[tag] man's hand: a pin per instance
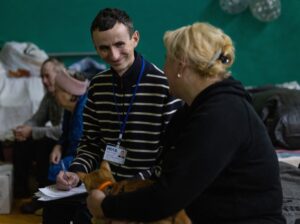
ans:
(23, 132)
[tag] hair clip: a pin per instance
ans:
(224, 59)
(215, 57)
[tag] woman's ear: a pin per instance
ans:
(181, 66)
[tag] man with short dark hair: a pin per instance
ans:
(128, 106)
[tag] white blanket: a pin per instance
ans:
(19, 97)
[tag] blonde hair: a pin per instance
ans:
(207, 49)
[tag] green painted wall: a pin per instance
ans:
(266, 52)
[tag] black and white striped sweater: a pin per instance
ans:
(150, 113)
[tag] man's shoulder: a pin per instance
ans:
(101, 76)
(48, 98)
(155, 74)
(107, 72)
(151, 68)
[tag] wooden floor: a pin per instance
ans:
(15, 217)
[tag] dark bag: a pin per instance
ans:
(279, 108)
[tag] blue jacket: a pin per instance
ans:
(72, 131)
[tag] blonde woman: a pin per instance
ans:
(218, 164)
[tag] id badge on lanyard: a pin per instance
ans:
(116, 153)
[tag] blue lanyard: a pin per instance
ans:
(122, 129)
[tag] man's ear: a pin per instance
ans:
(135, 38)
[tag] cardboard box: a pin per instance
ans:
(6, 191)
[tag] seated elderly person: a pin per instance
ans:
(36, 138)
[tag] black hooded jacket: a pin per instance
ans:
(218, 164)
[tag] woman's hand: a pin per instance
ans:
(94, 201)
(66, 180)
(55, 155)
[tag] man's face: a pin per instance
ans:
(116, 47)
(48, 76)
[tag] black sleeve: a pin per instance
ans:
(205, 145)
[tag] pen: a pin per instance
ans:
(64, 170)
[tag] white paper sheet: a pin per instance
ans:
(50, 193)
